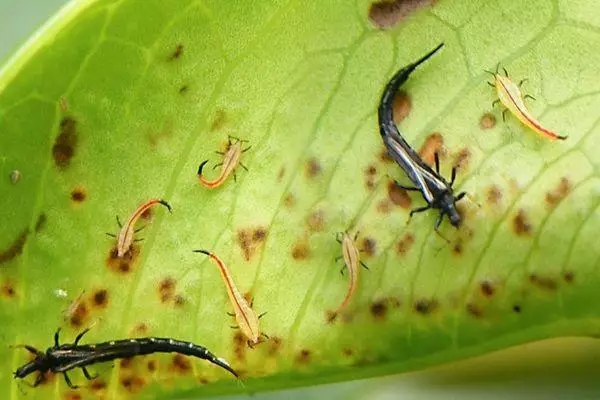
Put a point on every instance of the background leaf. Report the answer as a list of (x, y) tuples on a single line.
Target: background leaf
[(301, 82)]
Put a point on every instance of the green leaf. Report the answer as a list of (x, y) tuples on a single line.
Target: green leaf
[(116, 102)]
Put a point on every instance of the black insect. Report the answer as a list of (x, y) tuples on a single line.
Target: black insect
[(436, 191), (64, 357)]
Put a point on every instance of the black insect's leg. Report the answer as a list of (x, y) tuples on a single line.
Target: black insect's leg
[(504, 114), (112, 235), (364, 265), (246, 149), (138, 240), (69, 381), (436, 157), (38, 379), (243, 166), (418, 210), (119, 222), (453, 177), (523, 81), (264, 335), (56, 344), (230, 314), (505, 72), (262, 315), (78, 337), (356, 235), (528, 96), (460, 196), (249, 343), (409, 188), (234, 327), (338, 258), (342, 269), (139, 229), (234, 177), (495, 102), (217, 165), (31, 349), (490, 83), (220, 153), (337, 237), (87, 375), (438, 222)]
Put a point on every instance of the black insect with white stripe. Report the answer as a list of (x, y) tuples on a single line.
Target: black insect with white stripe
[(64, 357), (436, 191)]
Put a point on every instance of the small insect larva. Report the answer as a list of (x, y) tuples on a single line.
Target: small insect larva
[(15, 176), (351, 256), (509, 93), (245, 316), (231, 159), (125, 237)]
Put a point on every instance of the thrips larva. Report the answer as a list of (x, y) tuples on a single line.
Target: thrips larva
[(509, 93), (245, 316), (15, 176), (65, 357), (351, 256), (436, 191), (231, 159), (125, 237)]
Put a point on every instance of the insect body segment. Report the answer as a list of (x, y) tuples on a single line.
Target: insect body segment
[(245, 316), (231, 159), (125, 237), (436, 191), (511, 97), (351, 256), (65, 357)]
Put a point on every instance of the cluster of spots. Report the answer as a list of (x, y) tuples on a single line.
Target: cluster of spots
[(521, 224), (166, 292), (559, 192), (369, 246), (65, 144), (493, 195), (79, 310), (7, 289), (41, 222), (433, 144), (180, 364), (405, 243), (177, 53), (303, 357), (123, 264), (385, 14), (218, 121), (78, 195), (398, 196), (313, 168), (462, 158), (426, 306), (401, 106), (542, 282), (316, 221), (370, 176), (250, 239), (487, 121), (301, 250), (15, 249)]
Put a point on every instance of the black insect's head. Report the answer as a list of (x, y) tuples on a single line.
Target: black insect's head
[(454, 217), (29, 368), (448, 207)]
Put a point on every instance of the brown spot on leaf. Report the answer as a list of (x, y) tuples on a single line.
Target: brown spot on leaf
[(457, 249), (369, 246), (384, 206), (72, 396), (281, 174), (219, 121), (250, 239), (100, 298), (78, 195), (405, 243), (474, 310), (97, 385), (316, 221), (487, 288), (387, 13), (41, 222), (141, 328), (348, 352), (303, 356), (398, 196), (78, 315), (184, 89), (330, 316), (461, 160), (152, 365), (15, 249), (493, 194), (125, 362), (166, 289), (65, 144), (179, 301), (569, 276), (379, 309), (517, 309), (177, 53), (542, 282), (521, 224), (487, 121), (300, 250), (401, 106), (433, 144), (275, 344), (124, 264), (289, 201), (313, 168), (426, 306), (370, 176), (385, 157), (8, 289), (181, 364), (239, 345), (559, 192), (132, 383)]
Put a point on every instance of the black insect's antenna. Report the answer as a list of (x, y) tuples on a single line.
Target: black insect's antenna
[(387, 99)]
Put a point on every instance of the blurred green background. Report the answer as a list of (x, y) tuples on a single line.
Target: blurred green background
[(559, 368)]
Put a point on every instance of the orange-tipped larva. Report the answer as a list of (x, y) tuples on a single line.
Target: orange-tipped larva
[(351, 256), (231, 159)]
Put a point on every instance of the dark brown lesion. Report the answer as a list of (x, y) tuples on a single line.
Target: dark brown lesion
[(66, 142), (398, 196), (100, 298), (562, 189), (181, 364), (379, 309), (521, 224), (426, 306), (313, 168), (177, 53), (303, 357), (15, 249), (387, 13), (434, 143), (543, 282), (249, 240), (405, 243)]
